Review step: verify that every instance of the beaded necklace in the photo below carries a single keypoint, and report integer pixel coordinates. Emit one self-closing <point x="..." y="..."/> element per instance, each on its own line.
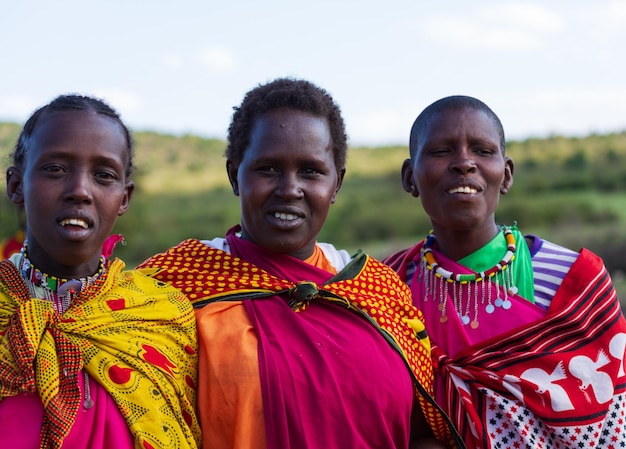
<point x="59" y="291"/>
<point x="468" y="289"/>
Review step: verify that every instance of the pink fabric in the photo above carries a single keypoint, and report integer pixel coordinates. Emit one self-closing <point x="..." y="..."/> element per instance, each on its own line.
<point x="101" y="427"/>
<point x="109" y="244"/>
<point x="329" y="380"/>
<point x="453" y="336"/>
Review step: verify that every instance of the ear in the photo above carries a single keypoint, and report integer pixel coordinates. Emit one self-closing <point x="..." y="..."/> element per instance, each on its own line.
<point x="407" y="178"/>
<point x="509" y="169"/>
<point x="340" y="176"/>
<point x="232" y="176"/>
<point x="14" y="186"/>
<point x="128" y="193"/>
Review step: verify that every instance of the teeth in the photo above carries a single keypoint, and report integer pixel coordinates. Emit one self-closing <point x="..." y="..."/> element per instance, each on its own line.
<point x="285" y="216"/>
<point x="462" y="190"/>
<point x="74" y="222"/>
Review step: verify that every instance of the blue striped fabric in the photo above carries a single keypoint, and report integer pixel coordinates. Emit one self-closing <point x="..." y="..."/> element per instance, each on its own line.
<point x="551" y="263"/>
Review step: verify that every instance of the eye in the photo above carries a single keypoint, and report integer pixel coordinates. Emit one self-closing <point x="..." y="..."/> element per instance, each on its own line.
<point x="484" y="151"/>
<point x="310" y="171"/>
<point x="267" y="170"/>
<point x="53" y="169"/>
<point x="439" y="151"/>
<point x="106" y="175"/>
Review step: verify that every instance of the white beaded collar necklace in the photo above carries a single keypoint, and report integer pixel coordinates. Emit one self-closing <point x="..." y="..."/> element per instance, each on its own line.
<point x="59" y="291"/>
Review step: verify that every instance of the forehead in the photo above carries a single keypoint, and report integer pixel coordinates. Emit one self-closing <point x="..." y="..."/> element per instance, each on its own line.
<point x="457" y="122"/>
<point x="290" y="130"/>
<point x="456" y="117"/>
<point x="78" y="131"/>
<point x="88" y="121"/>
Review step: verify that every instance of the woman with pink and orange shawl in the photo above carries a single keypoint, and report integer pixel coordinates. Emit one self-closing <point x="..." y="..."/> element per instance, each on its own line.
<point x="528" y="338"/>
<point x="301" y="344"/>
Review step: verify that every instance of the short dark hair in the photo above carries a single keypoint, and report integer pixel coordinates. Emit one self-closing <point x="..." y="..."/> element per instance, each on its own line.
<point x="70" y="102"/>
<point x="287" y="93"/>
<point x="454" y="102"/>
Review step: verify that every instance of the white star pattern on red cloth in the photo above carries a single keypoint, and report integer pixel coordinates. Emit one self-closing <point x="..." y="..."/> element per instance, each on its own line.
<point x="513" y="426"/>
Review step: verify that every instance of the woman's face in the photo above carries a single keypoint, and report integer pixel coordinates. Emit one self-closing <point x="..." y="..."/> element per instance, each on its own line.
<point x="286" y="181"/>
<point x="72" y="186"/>
<point x="459" y="170"/>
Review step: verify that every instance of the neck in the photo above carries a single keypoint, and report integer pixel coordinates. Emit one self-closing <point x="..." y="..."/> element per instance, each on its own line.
<point x="88" y="266"/>
<point x="32" y="271"/>
<point x="457" y="244"/>
<point x="60" y="290"/>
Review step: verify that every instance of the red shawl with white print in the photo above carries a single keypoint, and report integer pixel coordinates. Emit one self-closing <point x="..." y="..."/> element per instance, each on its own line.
<point x="556" y="382"/>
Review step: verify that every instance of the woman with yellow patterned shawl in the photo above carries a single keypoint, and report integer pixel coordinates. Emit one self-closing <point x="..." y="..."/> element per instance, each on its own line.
<point x="90" y="356"/>
<point x="301" y="345"/>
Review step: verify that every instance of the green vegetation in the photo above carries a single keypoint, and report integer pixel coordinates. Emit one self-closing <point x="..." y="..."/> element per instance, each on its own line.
<point x="569" y="190"/>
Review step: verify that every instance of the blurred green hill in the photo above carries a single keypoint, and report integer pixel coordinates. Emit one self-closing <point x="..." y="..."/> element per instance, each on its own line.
<point x="571" y="190"/>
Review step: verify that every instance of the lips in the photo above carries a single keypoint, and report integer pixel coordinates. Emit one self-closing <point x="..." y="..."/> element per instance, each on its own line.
<point x="74" y="222"/>
<point x="75" y="219"/>
<point x="285" y="216"/>
<point x="463" y="189"/>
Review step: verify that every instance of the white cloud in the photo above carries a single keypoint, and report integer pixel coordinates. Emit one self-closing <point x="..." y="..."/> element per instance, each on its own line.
<point x="120" y="100"/>
<point x="567" y="111"/>
<point x="172" y="61"/>
<point x="380" y="127"/>
<point x="603" y="21"/>
<point x="217" y="59"/>
<point x="508" y="26"/>
<point x="530" y="17"/>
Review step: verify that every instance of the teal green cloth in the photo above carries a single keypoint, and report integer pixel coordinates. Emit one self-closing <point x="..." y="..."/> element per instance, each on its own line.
<point x="521" y="266"/>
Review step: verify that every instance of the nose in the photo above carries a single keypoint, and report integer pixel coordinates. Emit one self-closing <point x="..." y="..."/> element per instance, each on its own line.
<point x="463" y="162"/>
<point x="289" y="186"/>
<point x="79" y="188"/>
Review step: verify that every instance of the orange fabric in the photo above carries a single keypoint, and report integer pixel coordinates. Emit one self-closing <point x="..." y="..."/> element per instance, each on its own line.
<point x="319" y="260"/>
<point x="222" y="326"/>
<point x="228" y="381"/>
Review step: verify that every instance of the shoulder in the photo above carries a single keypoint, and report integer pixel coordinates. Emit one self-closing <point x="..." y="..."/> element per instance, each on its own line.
<point x="539" y="247"/>
<point x="217" y="243"/>
<point x="338" y="258"/>
<point x="185" y="251"/>
<point x="400" y="259"/>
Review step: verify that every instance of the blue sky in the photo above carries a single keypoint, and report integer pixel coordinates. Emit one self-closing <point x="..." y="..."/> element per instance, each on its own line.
<point x="179" y="67"/>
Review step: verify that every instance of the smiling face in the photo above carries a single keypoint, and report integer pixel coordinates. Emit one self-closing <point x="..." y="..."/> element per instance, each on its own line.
<point x="459" y="170"/>
<point x="286" y="181"/>
<point x="73" y="187"/>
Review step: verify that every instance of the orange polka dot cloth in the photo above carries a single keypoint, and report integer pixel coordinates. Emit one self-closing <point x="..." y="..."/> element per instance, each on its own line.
<point x="365" y="286"/>
<point x="134" y="335"/>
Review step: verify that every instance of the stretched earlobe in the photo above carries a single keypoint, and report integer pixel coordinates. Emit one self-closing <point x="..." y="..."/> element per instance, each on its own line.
<point x="14" y="186"/>
<point x="340" y="176"/>
<point x="407" y="178"/>
<point x="232" y="177"/>
<point x="130" y="188"/>
<point x="507" y="182"/>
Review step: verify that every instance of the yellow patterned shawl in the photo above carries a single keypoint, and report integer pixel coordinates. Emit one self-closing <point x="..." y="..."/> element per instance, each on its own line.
<point x="365" y="286"/>
<point x="134" y="335"/>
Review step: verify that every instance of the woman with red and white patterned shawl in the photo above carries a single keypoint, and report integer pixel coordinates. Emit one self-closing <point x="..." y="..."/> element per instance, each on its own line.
<point x="528" y="337"/>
